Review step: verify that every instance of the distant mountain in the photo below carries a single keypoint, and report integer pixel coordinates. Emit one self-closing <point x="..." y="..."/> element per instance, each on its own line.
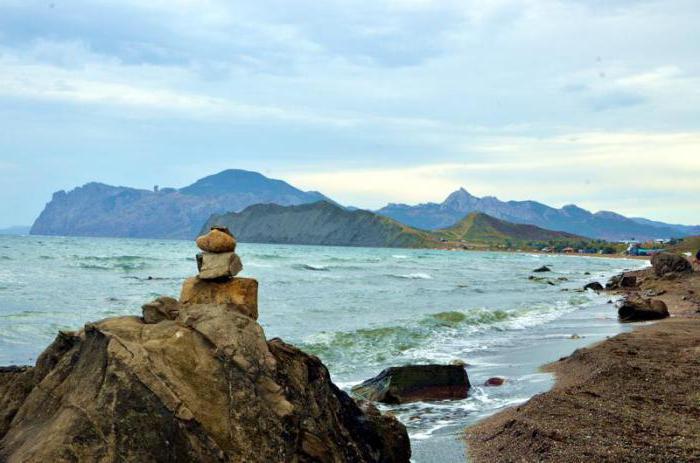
<point x="15" y="230"/>
<point x="96" y="209"/>
<point x="320" y="223"/>
<point x="572" y="219"/>
<point x="323" y="223"/>
<point x="478" y="227"/>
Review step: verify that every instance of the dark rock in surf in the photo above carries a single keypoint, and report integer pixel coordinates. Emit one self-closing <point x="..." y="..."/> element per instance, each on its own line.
<point x="594" y="286"/>
<point x="542" y="269"/>
<point x="491" y="382"/>
<point x="412" y="383"/>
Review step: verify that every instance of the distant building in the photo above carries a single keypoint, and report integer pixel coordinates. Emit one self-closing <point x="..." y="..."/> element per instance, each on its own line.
<point x="568" y="250"/>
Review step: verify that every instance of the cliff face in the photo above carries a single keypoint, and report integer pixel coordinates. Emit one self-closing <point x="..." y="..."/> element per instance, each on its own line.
<point x="102" y="210"/>
<point x="320" y="223"/>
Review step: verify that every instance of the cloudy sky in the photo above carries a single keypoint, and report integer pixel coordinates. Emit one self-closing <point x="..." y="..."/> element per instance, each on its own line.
<point x="593" y="102"/>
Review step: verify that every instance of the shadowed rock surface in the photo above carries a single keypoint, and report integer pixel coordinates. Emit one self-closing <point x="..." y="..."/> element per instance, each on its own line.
<point x="640" y="309"/>
<point x="413" y="383"/>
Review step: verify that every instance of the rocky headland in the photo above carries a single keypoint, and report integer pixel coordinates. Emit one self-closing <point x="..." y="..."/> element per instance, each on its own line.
<point x="192" y="379"/>
<point x="632" y="398"/>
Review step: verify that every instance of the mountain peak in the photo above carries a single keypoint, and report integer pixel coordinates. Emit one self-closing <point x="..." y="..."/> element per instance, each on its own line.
<point x="460" y="200"/>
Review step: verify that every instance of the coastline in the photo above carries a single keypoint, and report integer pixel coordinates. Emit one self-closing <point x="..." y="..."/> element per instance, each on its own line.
<point x="633" y="397"/>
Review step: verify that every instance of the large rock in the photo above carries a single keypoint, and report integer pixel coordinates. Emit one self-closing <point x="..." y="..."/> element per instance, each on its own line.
<point x="219" y="239"/>
<point x="218" y="265"/>
<point x="239" y="294"/>
<point x="665" y="262"/>
<point x="638" y="309"/>
<point x="413" y="383"/>
<point x="205" y="387"/>
<point x="542" y="269"/>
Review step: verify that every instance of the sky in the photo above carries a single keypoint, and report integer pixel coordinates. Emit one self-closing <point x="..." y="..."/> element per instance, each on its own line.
<point x="592" y="102"/>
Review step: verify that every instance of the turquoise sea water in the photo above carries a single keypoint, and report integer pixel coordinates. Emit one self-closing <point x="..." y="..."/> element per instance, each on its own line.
<point x="359" y="309"/>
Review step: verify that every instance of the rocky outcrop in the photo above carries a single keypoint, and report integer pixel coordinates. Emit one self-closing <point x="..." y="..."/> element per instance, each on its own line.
<point x="542" y="269"/>
<point x="665" y="263"/>
<point x="191" y="380"/>
<point x="635" y="309"/>
<point x="413" y="383"/>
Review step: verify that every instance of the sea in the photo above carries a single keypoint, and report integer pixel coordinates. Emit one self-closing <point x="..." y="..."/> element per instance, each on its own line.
<point x="359" y="309"/>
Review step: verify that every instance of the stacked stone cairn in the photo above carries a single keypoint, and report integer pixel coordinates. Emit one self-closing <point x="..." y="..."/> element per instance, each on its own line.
<point x="217" y="283"/>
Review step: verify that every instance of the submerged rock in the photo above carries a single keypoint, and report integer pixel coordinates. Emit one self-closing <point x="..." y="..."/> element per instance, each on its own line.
<point x="665" y="263"/>
<point x="414" y="383"/>
<point x="496" y="381"/>
<point x="637" y="309"/>
<point x="206" y="386"/>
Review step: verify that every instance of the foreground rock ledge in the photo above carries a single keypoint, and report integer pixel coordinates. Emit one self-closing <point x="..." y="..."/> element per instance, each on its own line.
<point x="205" y="386"/>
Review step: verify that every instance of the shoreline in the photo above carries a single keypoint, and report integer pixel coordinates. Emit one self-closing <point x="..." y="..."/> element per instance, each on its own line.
<point x="632" y="397"/>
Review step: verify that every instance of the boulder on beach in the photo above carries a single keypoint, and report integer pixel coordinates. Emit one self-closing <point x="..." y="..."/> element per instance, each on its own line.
<point x="206" y="386"/>
<point x="412" y="383"/>
<point x="219" y="239"/>
<point x="666" y="262"/>
<point x="239" y="294"/>
<point x="542" y="269"/>
<point x="594" y="286"/>
<point x="622" y="281"/>
<point x="638" y="309"/>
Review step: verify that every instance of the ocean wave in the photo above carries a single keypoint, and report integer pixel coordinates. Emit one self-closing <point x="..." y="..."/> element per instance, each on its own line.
<point x="125" y="263"/>
<point x="5" y="258"/>
<point x="312" y="267"/>
<point x="412" y="276"/>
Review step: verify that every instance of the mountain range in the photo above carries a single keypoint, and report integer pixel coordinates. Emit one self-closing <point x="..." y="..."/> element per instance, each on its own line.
<point x="572" y="219"/>
<point x="96" y="209"/>
<point x="323" y="223"/>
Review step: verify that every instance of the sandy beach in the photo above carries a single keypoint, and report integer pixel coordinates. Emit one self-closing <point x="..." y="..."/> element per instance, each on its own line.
<point x="634" y="397"/>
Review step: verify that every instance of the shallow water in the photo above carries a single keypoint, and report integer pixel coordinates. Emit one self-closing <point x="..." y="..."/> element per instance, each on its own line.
<point x="359" y="309"/>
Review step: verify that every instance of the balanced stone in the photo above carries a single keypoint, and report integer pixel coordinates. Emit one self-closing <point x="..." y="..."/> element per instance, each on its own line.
<point x="219" y="239"/>
<point x="213" y="266"/>
<point x="239" y="294"/>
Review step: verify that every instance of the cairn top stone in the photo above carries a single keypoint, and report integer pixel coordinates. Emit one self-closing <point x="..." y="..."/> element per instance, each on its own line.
<point x="219" y="239"/>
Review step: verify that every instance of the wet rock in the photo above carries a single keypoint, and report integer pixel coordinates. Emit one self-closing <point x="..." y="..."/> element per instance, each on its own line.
<point x="204" y="387"/>
<point x="163" y="308"/>
<point x="413" y="383"/>
<point x="214" y="266"/>
<point x="218" y="239"/>
<point x="542" y="269"/>
<point x="491" y="382"/>
<point x="239" y="294"/>
<point x="665" y="263"/>
<point x="638" y="309"/>
<point x="594" y="286"/>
